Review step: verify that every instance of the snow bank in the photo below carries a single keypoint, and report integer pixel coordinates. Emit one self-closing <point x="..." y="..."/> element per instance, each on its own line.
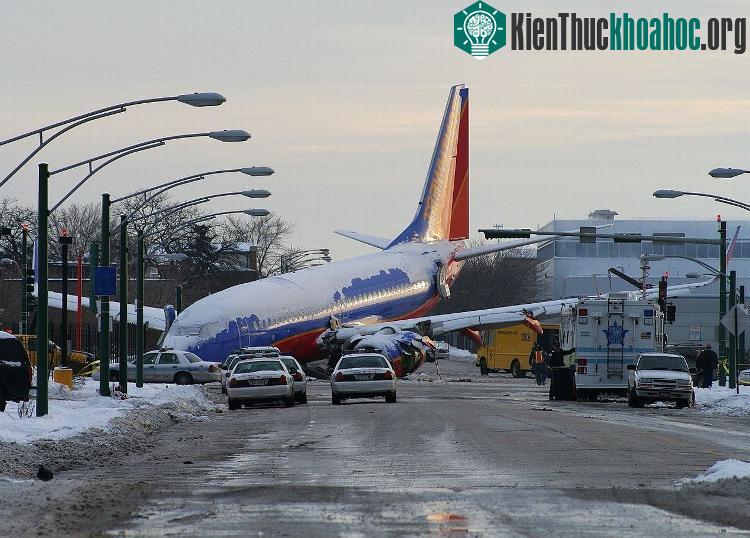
<point x="723" y="401"/>
<point x="463" y="354"/>
<point x="74" y="411"/>
<point x="724" y="469"/>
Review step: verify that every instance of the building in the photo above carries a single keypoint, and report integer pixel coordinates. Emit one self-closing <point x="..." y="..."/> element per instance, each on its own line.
<point x="567" y="267"/>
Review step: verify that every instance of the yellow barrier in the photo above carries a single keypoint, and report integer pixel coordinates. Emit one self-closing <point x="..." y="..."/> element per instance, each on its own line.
<point x="64" y="376"/>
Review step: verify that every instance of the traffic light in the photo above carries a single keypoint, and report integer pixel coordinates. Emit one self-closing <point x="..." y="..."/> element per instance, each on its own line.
<point x="671" y="313"/>
<point x="663" y="294"/>
<point x="29" y="280"/>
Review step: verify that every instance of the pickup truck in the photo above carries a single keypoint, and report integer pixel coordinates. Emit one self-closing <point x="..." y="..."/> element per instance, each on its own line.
<point x="15" y="370"/>
<point x="660" y="377"/>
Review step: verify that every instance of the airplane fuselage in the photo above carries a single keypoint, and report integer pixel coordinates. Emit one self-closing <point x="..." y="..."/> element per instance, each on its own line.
<point x="291" y="310"/>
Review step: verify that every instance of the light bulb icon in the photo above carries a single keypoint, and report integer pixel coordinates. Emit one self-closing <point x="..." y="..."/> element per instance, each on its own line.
<point x="480" y="28"/>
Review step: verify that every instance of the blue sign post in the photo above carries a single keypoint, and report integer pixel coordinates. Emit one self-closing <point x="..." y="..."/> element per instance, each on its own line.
<point x="105" y="281"/>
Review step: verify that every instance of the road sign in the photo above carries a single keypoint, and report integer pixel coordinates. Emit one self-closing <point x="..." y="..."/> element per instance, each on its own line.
<point x="742" y="311"/>
<point x="105" y="280"/>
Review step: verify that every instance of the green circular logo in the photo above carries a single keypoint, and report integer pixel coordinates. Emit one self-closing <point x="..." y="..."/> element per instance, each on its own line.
<point x="479" y="30"/>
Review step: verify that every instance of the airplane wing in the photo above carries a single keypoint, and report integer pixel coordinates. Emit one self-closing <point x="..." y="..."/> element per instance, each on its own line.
<point x="373" y="241"/>
<point x="155" y="317"/>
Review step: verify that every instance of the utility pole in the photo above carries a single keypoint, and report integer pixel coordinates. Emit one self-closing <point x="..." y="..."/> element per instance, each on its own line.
<point x="733" y="337"/>
<point x="139" y="336"/>
<point x="722" y="300"/>
<point x="741" y="339"/>
<point x="65" y="242"/>
<point x="178" y="299"/>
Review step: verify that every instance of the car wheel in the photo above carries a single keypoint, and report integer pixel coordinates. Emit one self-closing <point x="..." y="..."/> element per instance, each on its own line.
<point x="290" y="402"/>
<point x="483" y="366"/>
<point x="634" y="400"/>
<point x="183" y="378"/>
<point x="391" y="397"/>
<point x="233" y="404"/>
<point x="302" y="398"/>
<point x="335" y="399"/>
<point x="515" y="369"/>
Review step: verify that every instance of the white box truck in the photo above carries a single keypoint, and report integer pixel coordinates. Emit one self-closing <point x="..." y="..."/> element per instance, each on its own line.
<point x="609" y="334"/>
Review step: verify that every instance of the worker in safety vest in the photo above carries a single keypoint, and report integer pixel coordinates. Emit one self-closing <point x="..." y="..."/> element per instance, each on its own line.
<point x="538" y="360"/>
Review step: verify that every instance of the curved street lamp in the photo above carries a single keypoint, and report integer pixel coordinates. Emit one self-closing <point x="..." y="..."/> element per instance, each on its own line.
<point x="727" y="173"/>
<point x="193" y="99"/>
<point x="669" y="193"/>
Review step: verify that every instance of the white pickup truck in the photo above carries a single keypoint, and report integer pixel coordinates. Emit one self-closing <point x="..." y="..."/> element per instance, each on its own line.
<point x="660" y="377"/>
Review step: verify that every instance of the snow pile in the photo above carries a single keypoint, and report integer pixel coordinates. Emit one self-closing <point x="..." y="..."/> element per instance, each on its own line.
<point x="71" y="412"/>
<point x="722" y="470"/>
<point x="723" y="401"/>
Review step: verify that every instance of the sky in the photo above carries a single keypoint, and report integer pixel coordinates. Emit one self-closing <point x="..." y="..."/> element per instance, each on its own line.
<point x="344" y="100"/>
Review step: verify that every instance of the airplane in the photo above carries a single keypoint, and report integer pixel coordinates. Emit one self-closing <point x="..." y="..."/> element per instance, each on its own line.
<point x="375" y="301"/>
<point x="372" y="301"/>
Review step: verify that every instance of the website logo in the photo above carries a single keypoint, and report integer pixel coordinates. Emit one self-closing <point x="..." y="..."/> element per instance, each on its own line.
<point x="479" y="30"/>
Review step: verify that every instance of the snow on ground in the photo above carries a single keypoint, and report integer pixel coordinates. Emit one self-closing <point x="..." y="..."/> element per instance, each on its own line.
<point x="71" y="412"/>
<point x="724" y="469"/>
<point x="723" y="401"/>
<point x="456" y="353"/>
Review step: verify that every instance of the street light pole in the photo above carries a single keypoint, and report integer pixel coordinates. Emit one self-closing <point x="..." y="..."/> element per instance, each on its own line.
<point x="42" y="366"/>
<point x="139" y="332"/>
<point x="122" y="374"/>
<point x="722" y="300"/>
<point x="65" y="241"/>
<point x="24" y="275"/>
<point x="104" y="321"/>
<point x="733" y="337"/>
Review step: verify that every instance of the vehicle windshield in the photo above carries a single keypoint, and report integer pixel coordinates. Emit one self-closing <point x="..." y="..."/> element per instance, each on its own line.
<point x="367" y="361"/>
<point x="290" y="363"/>
<point x="259" y="366"/>
<point x="192" y="358"/>
<point x="662" y="362"/>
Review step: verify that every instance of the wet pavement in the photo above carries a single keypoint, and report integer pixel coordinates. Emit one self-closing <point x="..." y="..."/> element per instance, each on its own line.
<point x="489" y="457"/>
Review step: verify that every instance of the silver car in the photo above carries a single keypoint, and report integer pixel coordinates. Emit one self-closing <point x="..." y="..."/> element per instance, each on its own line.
<point x="298" y="374"/>
<point x="260" y="380"/>
<point x="363" y="375"/>
<point x="170" y="366"/>
<point x="245" y="353"/>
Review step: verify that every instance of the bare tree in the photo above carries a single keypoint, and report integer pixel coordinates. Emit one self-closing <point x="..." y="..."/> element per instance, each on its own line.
<point x="83" y="224"/>
<point x="268" y="233"/>
<point x="13" y="216"/>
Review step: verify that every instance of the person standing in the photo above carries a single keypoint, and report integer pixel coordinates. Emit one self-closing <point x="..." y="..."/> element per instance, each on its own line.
<point x="562" y="379"/>
<point x="707" y="362"/>
<point x="538" y="360"/>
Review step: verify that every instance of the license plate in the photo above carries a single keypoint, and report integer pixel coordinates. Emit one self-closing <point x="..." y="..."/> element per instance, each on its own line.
<point x="363" y="377"/>
<point x="257" y="382"/>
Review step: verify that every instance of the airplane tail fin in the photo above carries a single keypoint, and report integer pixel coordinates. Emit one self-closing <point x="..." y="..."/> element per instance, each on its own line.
<point x="443" y="211"/>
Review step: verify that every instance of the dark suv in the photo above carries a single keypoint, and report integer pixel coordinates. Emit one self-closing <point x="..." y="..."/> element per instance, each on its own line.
<point x="15" y="370"/>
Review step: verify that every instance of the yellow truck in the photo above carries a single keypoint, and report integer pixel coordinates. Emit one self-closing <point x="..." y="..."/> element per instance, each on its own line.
<point x="508" y="349"/>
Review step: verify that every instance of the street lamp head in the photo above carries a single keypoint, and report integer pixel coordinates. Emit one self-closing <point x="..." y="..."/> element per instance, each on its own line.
<point x="202" y="99"/>
<point x="325" y="251"/>
<point x="256" y="193"/>
<point x="668" y="193"/>
<point x="726" y="172"/>
<point x="693" y="275"/>
<point x="258" y="171"/>
<point x="651" y="257"/>
<point x="326" y="258"/>
<point x="231" y="135"/>
<point x="257" y="212"/>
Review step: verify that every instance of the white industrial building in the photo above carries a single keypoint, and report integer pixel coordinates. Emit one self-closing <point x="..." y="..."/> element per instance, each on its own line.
<point x="568" y="268"/>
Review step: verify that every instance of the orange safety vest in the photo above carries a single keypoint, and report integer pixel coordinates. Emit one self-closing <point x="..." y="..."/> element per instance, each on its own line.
<point x="538" y="357"/>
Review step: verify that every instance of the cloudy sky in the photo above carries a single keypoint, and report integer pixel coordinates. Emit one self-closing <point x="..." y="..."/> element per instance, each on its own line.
<point x="344" y="99"/>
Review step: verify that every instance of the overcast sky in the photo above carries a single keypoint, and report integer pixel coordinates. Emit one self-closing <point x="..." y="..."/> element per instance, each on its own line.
<point x="344" y="98"/>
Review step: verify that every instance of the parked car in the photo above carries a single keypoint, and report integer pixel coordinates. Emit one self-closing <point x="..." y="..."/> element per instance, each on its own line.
<point x="15" y="370"/>
<point x="660" y="377"/>
<point x="245" y="353"/>
<point x="260" y="380"/>
<point x="363" y="375"/>
<point x="298" y="374"/>
<point x="743" y="378"/>
<point x="170" y="366"/>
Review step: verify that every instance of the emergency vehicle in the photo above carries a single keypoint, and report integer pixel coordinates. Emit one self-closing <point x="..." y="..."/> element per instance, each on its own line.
<point x="609" y="334"/>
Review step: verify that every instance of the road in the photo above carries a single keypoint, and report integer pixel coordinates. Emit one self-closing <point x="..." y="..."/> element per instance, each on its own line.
<point x="486" y="457"/>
